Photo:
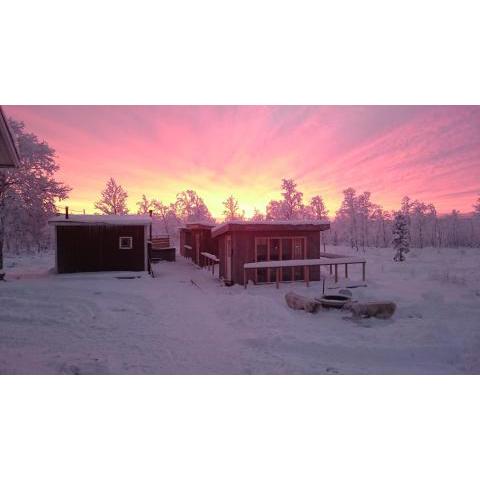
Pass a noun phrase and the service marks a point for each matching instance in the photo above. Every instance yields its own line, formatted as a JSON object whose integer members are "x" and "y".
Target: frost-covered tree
{"x": 419, "y": 218}
{"x": 381, "y": 219}
{"x": 316, "y": 209}
{"x": 292, "y": 199}
{"x": 28, "y": 195}
{"x": 190, "y": 207}
{"x": 232, "y": 210}
{"x": 275, "y": 210}
{"x": 164, "y": 216}
{"x": 113, "y": 199}
{"x": 401, "y": 237}
{"x": 290, "y": 207}
{"x": 346, "y": 216}
{"x": 145, "y": 205}
{"x": 364, "y": 209}
{"x": 257, "y": 216}
{"x": 476, "y": 206}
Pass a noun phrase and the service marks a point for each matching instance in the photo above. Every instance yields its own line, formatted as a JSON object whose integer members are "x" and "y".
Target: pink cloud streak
{"x": 429, "y": 153}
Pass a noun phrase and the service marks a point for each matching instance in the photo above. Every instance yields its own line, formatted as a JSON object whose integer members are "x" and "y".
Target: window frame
{"x": 280, "y": 239}
{"x": 123, "y": 237}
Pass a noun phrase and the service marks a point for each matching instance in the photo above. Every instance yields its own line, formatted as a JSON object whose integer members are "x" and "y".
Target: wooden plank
{"x": 336, "y": 273}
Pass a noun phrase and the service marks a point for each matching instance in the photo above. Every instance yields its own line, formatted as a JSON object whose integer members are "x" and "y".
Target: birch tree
{"x": 113, "y": 199}
{"x": 28, "y": 194}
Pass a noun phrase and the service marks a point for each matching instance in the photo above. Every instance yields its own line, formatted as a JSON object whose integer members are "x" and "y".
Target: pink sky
{"x": 429, "y": 153}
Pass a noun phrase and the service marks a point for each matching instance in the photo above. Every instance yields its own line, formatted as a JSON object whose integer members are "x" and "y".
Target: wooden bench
{"x": 159, "y": 248}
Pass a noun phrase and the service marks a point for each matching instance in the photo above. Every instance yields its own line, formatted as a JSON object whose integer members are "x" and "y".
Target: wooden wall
{"x": 95, "y": 248}
{"x": 206, "y": 244}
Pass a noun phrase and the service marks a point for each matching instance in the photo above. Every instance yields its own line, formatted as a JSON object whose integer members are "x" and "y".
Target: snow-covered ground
{"x": 97, "y": 323}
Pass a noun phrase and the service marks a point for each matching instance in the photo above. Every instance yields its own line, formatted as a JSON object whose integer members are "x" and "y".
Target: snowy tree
{"x": 418, "y": 223}
{"x": 145, "y": 205}
{"x": 347, "y": 216}
{"x": 168, "y": 215}
{"x": 401, "y": 237}
{"x": 28, "y": 195}
{"x": 290, "y": 207}
{"x": 190, "y": 207}
{"x": 275, "y": 210}
{"x": 316, "y": 209}
{"x": 292, "y": 200}
{"x": 381, "y": 219}
{"x": 257, "y": 216}
{"x": 232, "y": 210}
{"x": 113, "y": 199}
{"x": 476, "y": 207}
{"x": 364, "y": 210}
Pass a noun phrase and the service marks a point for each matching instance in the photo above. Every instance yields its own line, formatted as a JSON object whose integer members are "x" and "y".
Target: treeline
{"x": 359, "y": 222}
{"x": 29, "y": 194}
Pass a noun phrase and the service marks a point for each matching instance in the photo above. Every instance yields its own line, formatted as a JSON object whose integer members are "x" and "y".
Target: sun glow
{"x": 246, "y": 151}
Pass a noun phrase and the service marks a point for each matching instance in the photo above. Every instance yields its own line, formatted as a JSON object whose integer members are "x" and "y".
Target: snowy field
{"x": 99, "y": 324}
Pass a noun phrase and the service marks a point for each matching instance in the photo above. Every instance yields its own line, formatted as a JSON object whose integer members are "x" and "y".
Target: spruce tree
{"x": 401, "y": 237}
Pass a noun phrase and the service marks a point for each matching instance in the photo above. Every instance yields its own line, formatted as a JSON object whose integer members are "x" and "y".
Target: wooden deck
{"x": 331, "y": 260}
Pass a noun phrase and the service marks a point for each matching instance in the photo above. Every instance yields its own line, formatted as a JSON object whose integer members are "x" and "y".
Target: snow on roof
{"x": 202, "y": 223}
{"x": 224, "y": 227}
{"x": 102, "y": 219}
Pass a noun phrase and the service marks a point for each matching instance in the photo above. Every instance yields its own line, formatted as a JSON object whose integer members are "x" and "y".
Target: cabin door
{"x": 197, "y": 248}
{"x": 228, "y": 258}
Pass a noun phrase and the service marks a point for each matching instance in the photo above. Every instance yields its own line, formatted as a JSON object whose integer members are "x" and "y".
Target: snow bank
{"x": 185, "y": 321}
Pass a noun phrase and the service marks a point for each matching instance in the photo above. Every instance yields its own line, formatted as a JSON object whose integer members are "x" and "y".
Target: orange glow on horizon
{"x": 428, "y": 153}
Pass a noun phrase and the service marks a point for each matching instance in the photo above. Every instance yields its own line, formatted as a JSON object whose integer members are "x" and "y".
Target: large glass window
{"x": 274, "y": 255}
{"x": 287, "y": 254}
{"x": 298, "y": 253}
{"x": 279, "y": 248}
{"x": 261, "y": 256}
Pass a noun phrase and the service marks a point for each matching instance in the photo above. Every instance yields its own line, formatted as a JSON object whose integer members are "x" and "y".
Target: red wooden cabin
{"x": 245, "y": 242}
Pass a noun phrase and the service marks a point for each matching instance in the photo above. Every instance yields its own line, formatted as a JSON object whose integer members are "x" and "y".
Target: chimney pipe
{"x": 150, "y": 212}
{"x": 66, "y": 213}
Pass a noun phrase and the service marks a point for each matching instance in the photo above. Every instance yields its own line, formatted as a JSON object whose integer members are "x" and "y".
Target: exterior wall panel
{"x": 95, "y": 248}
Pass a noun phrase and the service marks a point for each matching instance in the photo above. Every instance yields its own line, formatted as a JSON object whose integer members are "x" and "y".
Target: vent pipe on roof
{"x": 66, "y": 213}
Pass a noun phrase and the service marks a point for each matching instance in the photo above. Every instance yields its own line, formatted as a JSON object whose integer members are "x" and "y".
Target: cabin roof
{"x": 200, "y": 224}
{"x": 9, "y": 157}
{"x": 270, "y": 225}
{"x": 101, "y": 219}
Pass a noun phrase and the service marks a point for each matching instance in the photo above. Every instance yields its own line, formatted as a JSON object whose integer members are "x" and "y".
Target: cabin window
{"x": 125, "y": 243}
{"x": 279, "y": 248}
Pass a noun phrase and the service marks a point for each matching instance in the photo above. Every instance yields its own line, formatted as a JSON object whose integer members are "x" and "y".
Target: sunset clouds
{"x": 429, "y": 153}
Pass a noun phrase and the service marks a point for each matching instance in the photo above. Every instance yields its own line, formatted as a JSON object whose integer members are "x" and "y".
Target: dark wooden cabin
{"x": 95, "y": 243}
{"x": 195, "y": 238}
{"x": 245, "y": 242}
